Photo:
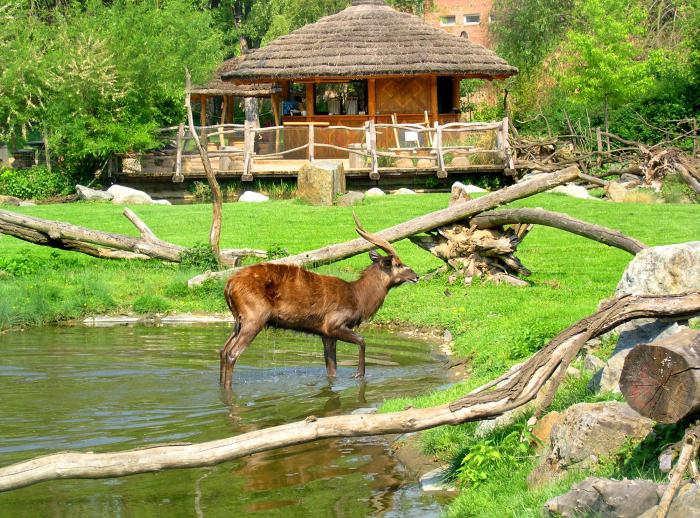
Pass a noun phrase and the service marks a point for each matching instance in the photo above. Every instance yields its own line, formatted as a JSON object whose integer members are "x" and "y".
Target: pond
{"x": 117, "y": 388}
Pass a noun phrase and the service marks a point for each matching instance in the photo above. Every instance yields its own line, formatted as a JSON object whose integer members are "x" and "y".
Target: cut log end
{"x": 662, "y": 380}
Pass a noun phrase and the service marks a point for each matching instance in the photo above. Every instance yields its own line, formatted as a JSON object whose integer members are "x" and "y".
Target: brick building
{"x": 470, "y": 18}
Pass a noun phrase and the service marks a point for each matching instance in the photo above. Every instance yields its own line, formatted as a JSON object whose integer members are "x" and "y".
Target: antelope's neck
{"x": 370, "y": 290}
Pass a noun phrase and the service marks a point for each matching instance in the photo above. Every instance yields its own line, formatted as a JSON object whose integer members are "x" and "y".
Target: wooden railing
{"x": 372, "y": 146}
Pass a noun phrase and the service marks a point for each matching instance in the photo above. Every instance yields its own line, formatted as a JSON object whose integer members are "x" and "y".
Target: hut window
{"x": 448, "y": 21}
{"x": 341, "y": 98}
{"x": 472, "y": 19}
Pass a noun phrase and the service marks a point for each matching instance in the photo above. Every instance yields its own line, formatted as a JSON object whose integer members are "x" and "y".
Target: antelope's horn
{"x": 375, "y": 240}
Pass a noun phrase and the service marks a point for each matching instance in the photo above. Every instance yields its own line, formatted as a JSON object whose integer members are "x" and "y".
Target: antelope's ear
{"x": 375, "y": 256}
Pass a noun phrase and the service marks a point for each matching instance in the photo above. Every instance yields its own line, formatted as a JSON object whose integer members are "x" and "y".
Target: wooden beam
{"x": 434, "y": 99}
{"x": 456, "y": 96}
{"x": 310, "y": 100}
{"x": 372, "y": 98}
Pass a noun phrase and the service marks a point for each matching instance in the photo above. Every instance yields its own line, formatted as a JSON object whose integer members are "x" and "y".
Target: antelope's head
{"x": 390, "y": 264}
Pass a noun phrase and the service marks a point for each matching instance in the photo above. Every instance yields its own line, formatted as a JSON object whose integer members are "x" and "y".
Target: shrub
{"x": 675, "y": 190}
{"x": 151, "y": 304}
{"x": 199, "y": 257}
{"x": 36, "y": 182}
{"x": 201, "y": 191}
{"x": 19, "y": 266}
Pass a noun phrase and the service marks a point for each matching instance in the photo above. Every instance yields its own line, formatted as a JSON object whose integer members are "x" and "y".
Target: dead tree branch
{"x": 689, "y": 452}
{"x": 515, "y": 389}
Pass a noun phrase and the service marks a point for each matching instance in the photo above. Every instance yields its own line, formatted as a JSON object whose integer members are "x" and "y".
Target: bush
{"x": 36, "y": 182}
{"x": 200, "y": 257}
{"x": 151, "y": 304}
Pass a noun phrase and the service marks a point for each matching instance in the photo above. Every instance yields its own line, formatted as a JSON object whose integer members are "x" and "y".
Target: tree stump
{"x": 661, "y": 380}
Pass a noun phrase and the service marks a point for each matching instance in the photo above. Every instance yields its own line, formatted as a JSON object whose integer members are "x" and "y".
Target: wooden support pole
{"x": 310, "y": 100}
{"x": 456, "y": 93}
{"x": 507, "y": 150}
{"x": 441, "y": 171}
{"x": 275, "y": 100}
{"x": 434, "y": 99}
{"x": 372, "y": 146}
{"x": 248, "y": 150}
{"x": 179, "y": 143}
{"x": 372, "y": 98}
{"x": 203, "y": 117}
{"x": 312, "y": 147}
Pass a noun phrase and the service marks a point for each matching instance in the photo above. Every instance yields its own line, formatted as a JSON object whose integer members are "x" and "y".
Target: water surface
{"x": 110, "y": 389}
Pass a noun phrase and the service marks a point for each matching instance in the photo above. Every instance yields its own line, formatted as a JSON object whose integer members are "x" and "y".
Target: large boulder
{"x": 686, "y": 504}
{"x": 605, "y": 498}
{"x": 87, "y": 194}
{"x": 253, "y": 197}
{"x": 404, "y": 190}
{"x": 351, "y": 198}
{"x": 586, "y": 433}
{"x": 319, "y": 183}
{"x": 469, "y": 189}
{"x": 573, "y": 190}
{"x": 661, "y": 270}
{"x": 128, "y": 196}
{"x": 374, "y": 191}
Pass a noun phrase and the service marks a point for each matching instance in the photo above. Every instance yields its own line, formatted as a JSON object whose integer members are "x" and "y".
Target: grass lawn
{"x": 495, "y": 326}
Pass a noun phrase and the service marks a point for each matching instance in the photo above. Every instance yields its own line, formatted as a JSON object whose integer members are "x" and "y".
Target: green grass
{"x": 493, "y": 326}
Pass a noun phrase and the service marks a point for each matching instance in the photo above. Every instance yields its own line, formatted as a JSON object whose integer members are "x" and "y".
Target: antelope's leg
{"x": 224, "y": 351}
{"x": 329, "y": 349}
{"x": 249, "y": 330}
{"x": 348, "y": 335}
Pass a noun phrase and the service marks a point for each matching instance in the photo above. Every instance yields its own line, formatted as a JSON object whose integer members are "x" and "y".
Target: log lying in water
{"x": 512, "y": 390}
{"x": 332, "y": 253}
{"x": 105, "y": 245}
{"x": 661, "y": 380}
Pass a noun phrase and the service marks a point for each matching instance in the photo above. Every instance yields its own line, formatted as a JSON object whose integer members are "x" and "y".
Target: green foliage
{"x": 34, "y": 183}
{"x": 675, "y": 190}
{"x": 530, "y": 340}
{"x": 201, "y": 191}
{"x": 19, "y": 265}
{"x": 200, "y": 257}
{"x": 150, "y": 304}
{"x": 277, "y": 252}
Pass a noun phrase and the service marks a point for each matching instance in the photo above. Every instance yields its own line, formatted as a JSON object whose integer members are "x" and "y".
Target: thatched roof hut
{"x": 367, "y": 39}
{"x": 217, "y": 86}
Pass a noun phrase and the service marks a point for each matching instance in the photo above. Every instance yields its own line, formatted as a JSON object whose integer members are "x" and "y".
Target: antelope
{"x": 290, "y": 297}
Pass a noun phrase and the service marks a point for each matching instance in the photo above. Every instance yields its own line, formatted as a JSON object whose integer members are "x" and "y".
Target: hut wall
{"x": 403, "y": 95}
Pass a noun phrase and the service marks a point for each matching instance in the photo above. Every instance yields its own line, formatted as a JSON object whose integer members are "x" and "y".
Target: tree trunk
{"x": 514, "y": 389}
{"x": 661, "y": 380}
{"x": 105, "y": 245}
{"x": 215, "y": 234}
{"x": 332, "y": 253}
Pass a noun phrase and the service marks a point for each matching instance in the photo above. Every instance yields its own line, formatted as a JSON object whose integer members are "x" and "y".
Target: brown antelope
{"x": 289, "y": 297}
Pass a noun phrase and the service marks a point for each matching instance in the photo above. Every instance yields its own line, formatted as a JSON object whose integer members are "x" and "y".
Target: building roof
{"x": 369, "y": 38}
{"x": 217, "y": 86}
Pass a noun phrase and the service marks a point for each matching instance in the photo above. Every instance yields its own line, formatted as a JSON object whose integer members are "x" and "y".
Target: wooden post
{"x": 310, "y": 100}
{"x": 507, "y": 150}
{"x": 248, "y": 150}
{"x": 371, "y": 140}
{"x": 372, "y": 98}
{"x": 179, "y": 143}
{"x": 203, "y": 116}
{"x": 275, "y": 100}
{"x": 434, "y": 98}
{"x": 441, "y": 171}
{"x": 456, "y": 93}
{"x": 312, "y": 148}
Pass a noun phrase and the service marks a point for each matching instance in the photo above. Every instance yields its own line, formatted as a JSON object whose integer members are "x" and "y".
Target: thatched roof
{"x": 369, "y": 38}
{"x": 218, "y": 86}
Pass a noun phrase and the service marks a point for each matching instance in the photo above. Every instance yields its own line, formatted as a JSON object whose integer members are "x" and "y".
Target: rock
{"x": 661, "y": 270}
{"x": 161, "y": 202}
{"x": 616, "y": 191}
{"x": 686, "y": 504}
{"x": 364, "y": 411}
{"x": 587, "y": 432}
{"x": 458, "y": 194}
{"x": 350, "y": 198}
{"x": 469, "y": 189}
{"x": 319, "y": 183}
{"x": 374, "y": 191}
{"x": 188, "y": 318}
{"x": 433, "y": 481}
{"x": 592, "y": 363}
{"x": 573, "y": 190}
{"x": 542, "y": 430}
{"x": 85, "y": 193}
{"x": 605, "y": 498}
{"x": 253, "y": 197}
{"x": 27, "y": 204}
{"x": 126, "y": 195}
{"x": 403, "y": 190}
{"x": 631, "y": 179}
{"x": 10, "y": 200}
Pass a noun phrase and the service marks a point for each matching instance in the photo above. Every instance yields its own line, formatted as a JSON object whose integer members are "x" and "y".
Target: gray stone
{"x": 403, "y": 190}
{"x": 616, "y": 191}
{"x": 253, "y": 197}
{"x": 364, "y": 411}
{"x": 27, "y": 204}
{"x": 469, "y": 189}
{"x": 573, "y": 190}
{"x": 592, "y": 363}
{"x": 126, "y": 195}
{"x": 85, "y": 193}
{"x": 586, "y": 433}
{"x": 631, "y": 179}
{"x": 319, "y": 183}
{"x": 161, "y": 202}
{"x": 110, "y": 321}
{"x": 605, "y": 498}
{"x": 10, "y": 200}
{"x": 661, "y": 270}
{"x": 433, "y": 481}
{"x": 686, "y": 504}
{"x": 374, "y": 191}
{"x": 350, "y": 198}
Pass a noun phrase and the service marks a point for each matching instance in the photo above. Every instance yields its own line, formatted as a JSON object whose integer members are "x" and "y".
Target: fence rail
{"x": 372, "y": 146}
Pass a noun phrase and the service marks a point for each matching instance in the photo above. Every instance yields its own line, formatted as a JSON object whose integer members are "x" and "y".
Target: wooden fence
{"x": 372, "y": 147}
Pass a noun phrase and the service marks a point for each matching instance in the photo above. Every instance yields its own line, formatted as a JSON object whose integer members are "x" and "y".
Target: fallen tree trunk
{"x": 661, "y": 380}
{"x": 561, "y": 221}
{"x": 516, "y": 388}
{"x": 420, "y": 224}
{"x": 108, "y": 245}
